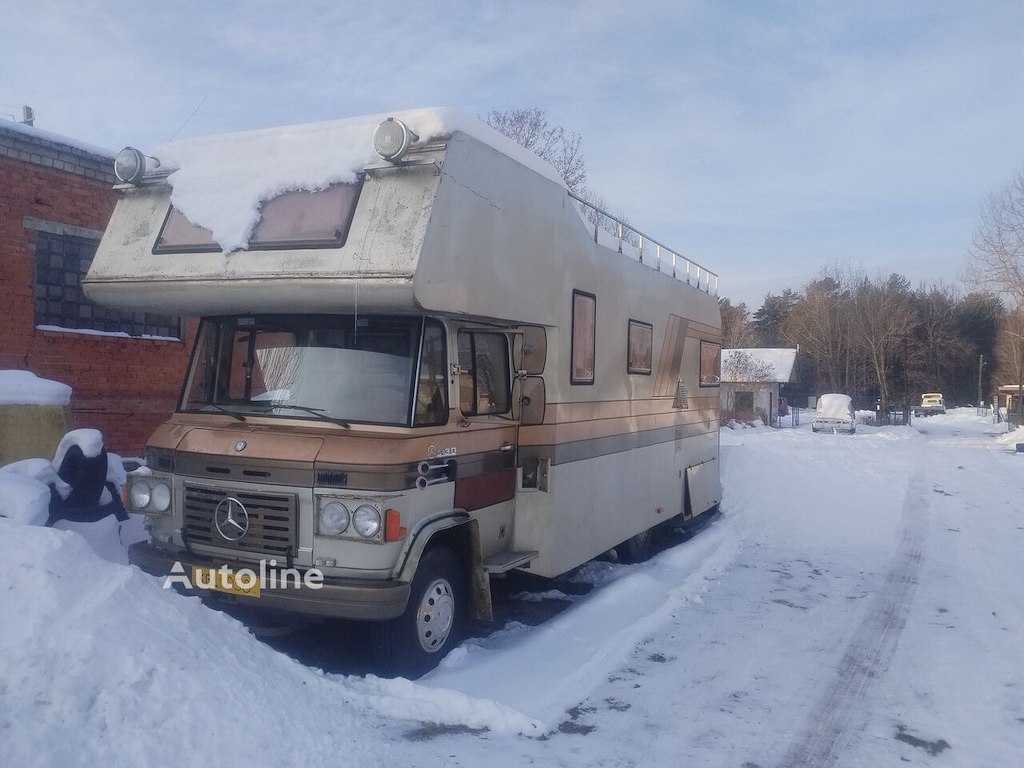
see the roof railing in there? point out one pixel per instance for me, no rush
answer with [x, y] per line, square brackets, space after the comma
[663, 258]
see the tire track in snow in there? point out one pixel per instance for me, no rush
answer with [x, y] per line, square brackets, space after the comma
[840, 713]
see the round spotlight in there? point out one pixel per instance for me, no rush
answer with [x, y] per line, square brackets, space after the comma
[130, 165]
[392, 138]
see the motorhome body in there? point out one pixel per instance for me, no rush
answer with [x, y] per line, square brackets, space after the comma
[416, 373]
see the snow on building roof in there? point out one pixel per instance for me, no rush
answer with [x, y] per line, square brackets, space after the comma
[745, 365]
[219, 181]
[38, 135]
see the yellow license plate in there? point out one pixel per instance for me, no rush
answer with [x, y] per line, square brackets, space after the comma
[244, 582]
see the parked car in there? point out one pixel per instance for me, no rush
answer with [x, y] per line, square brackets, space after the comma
[931, 404]
[834, 414]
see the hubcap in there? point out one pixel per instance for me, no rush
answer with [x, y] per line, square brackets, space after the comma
[435, 616]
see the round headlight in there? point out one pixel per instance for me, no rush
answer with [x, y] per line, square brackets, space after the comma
[141, 494]
[366, 521]
[392, 138]
[129, 165]
[334, 518]
[160, 497]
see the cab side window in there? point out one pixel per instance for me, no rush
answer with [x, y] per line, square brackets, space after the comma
[484, 381]
[432, 385]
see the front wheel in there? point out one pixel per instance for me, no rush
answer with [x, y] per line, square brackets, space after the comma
[416, 641]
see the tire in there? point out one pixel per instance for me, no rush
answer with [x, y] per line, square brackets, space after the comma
[433, 621]
[637, 549]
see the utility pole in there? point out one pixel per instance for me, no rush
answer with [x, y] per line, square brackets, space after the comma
[981, 364]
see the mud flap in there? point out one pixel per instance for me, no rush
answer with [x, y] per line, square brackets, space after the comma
[479, 579]
[703, 486]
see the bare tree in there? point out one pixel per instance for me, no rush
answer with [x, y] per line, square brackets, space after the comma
[885, 322]
[737, 331]
[741, 366]
[997, 262]
[940, 350]
[820, 322]
[529, 127]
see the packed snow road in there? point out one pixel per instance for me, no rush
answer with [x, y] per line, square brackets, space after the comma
[857, 603]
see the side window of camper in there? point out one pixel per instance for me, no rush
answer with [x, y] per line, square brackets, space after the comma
[710, 364]
[640, 343]
[484, 383]
[432, 386]
[584, 337]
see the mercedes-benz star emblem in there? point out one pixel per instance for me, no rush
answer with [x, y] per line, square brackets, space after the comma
[231, 519]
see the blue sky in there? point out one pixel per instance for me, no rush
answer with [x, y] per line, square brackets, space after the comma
[766, 140]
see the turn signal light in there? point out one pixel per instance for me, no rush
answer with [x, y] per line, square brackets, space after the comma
[393, 530]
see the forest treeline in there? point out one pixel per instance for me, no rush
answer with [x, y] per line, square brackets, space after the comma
[880, 338]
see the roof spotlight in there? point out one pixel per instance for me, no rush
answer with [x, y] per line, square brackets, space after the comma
[392, 138]
[131, 165]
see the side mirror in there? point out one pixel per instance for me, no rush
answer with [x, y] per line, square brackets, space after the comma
[529, 400]
[530, 350]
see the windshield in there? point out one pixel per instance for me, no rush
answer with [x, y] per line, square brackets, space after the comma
[337, 368]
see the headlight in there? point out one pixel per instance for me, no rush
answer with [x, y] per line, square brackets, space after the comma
[160, 497]
[140, 495]
[334, 518]
[366, 521]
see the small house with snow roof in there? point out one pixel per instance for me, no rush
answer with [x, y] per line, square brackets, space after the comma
[752, 380]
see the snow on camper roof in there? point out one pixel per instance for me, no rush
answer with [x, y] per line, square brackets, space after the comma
[219, 182]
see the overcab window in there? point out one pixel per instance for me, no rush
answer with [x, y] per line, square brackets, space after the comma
[295, 219]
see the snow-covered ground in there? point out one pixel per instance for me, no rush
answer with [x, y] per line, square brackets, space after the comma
[857, 603]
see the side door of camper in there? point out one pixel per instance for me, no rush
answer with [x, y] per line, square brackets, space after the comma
[487, 433]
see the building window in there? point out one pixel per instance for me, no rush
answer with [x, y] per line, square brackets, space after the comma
[61, 263]
[640, 345]
[710, 364]
[584, 337]
[743, 403]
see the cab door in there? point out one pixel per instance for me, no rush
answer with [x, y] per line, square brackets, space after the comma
[487, 434]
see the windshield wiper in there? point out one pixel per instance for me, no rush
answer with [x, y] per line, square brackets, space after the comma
[222, 409]
[318, 412]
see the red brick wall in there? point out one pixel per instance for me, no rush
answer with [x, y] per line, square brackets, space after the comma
[123, 387]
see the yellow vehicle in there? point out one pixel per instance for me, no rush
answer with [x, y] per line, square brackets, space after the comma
[931, 404]
[414, 369]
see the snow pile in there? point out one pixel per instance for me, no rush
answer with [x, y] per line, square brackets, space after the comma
[219, 182]
[25, 388]
[113, 669]
[23, 498]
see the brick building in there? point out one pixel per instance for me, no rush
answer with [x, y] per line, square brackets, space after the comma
[124, 368]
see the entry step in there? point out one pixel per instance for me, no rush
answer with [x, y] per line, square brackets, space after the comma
[506, 561]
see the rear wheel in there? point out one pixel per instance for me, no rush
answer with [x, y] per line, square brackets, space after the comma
[416, 641]
[637, 549]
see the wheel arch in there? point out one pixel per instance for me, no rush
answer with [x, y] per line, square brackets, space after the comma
[461, 534]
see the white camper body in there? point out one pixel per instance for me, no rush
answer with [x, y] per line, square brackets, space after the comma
[573, 375]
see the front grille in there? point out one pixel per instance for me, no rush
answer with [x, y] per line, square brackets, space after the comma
[272, 521]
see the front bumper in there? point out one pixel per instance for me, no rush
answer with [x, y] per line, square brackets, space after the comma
[336, 598]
